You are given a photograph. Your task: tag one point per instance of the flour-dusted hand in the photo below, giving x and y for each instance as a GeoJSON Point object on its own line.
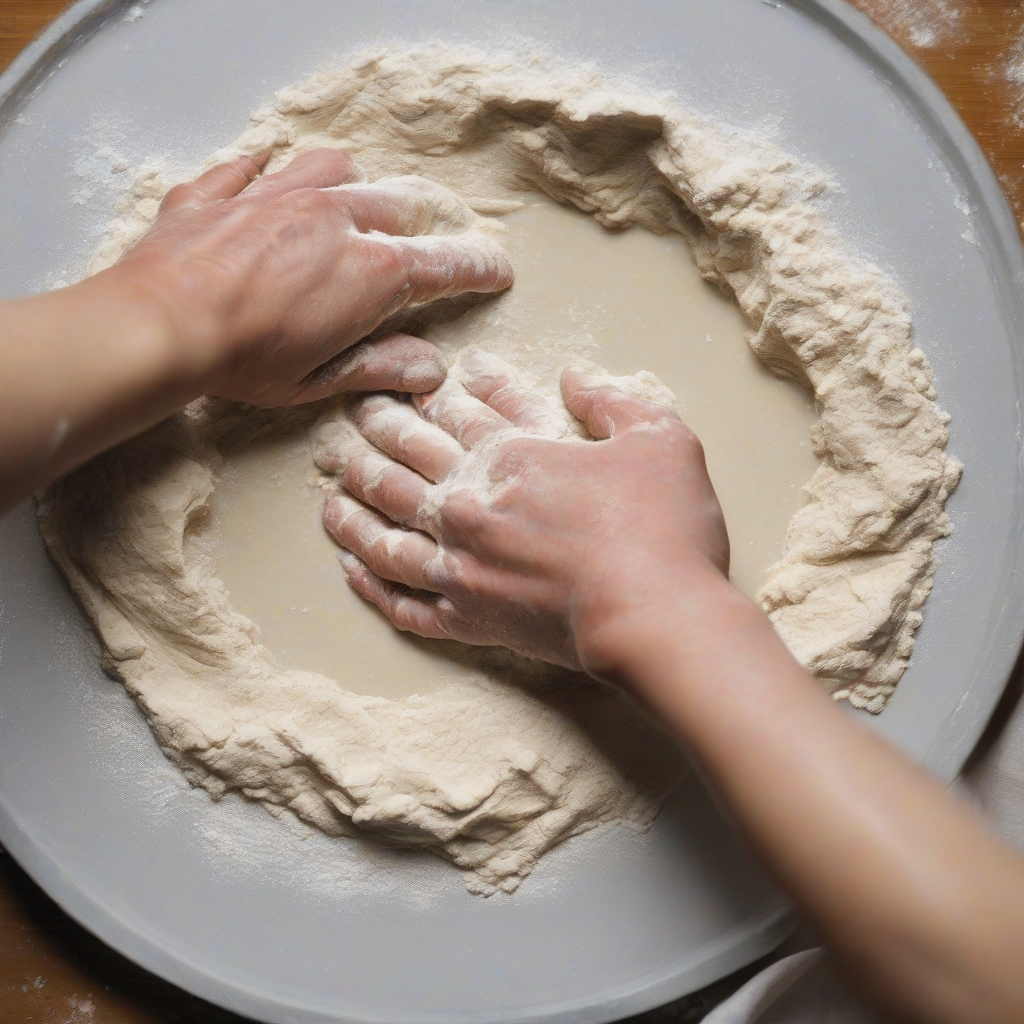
{"type": "Point", "coordinates": [476, 514]}
{"type": "Point", "coordinates": [271, 280]}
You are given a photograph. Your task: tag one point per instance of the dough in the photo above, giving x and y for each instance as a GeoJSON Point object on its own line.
{"type": "Point", "coordinates": [538, 756]}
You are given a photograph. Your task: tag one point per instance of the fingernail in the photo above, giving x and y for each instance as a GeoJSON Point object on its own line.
{"type": "Point", "coordinates": [423, 375]}
{"type": "Point", "coordinates": [367, 405]}
{"type": "Point", "coordinates": [349, 562]}
{"type": "Point", "coordinates": [476, 363]}
{"type": "Point", "coordinates": [339, 508]}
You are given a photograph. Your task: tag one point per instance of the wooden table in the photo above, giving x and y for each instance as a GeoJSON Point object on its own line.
{"type": "Point", "coordinates": [52, 970]}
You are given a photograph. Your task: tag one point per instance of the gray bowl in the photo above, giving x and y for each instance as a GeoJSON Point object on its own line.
{"type": "Point", "coordinates": [268, 919]}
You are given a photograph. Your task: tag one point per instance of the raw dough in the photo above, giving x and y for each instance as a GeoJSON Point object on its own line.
{"type": "Point", "coordinates": [537, 757]}
{"type": "Point", "coordinates": [642, 302]}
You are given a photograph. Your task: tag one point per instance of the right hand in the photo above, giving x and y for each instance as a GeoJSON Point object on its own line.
{"type": "Point", "coordinates": [269, 281]}
{"type": "Point", "coordinates": [568, 546]}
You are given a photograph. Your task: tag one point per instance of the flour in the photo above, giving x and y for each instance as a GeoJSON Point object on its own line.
{"type": "Point", "coordinates": [1013, 70]}
{"type": "Point", "coordinates": [920, 24]}
{"type": "Point", "coordinates": [537, 755]}
{"type": "Point", "coordinates": [540, 754]}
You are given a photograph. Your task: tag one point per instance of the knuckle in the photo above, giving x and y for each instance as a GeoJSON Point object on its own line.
{"type": "Point", "coordinates": [361, 528]}
{"type": "Point", "coordinates": [398, 613]}
{"type": "Point", "coordinates": [309, 202]}
{"type": "Point", "coordinates": [521, 462]}
{"type": "Point", "coordinates": [377, 551]}
{"type": "Point", "coordinates": [176, 196]}
{"type": "Point", "coordinates": [403, 613]}
{"type": "Point", "coordinates": [384, 261]}
{"type": "Point", "coordinates": [393, 261]}
{"type": "Point", "coordinates": [464, 510]}
{"type": "Point", "coordinates": [247, 166]}
{"type": "Point", "coordinates": [392, 490]}
{"type": "Point", "coordinates": [452, 575]}
{"type": "Point", "coordinates": [340, 161]}
{"type": "Point", "coordinates": [450, 619]}
{"type": "Point", "coordinates": [523, 453]}
{"type": "Point", "coordinates": [688, 442]}
{"type": "Point", "coordinates": [676, 435]}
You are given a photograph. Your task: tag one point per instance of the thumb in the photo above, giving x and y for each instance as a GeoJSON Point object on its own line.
{"type": "Point", "coordinates": [609, 405]}
{"type": "Point", "coordinates": [397, 362]}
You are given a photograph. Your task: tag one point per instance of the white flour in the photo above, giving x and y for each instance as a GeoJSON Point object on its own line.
{"type": "Point", "coordinates": [1013, 69]}
{"type": "Point", "coordinates": [536, 757]}
{"type": "Point", "coordinates": [920, 24]}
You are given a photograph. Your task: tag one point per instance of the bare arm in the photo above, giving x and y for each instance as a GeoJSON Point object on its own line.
{"type": "Point", "coordinates": [612, 557]}
{"type": "Point", "coordinates": [247, 286]}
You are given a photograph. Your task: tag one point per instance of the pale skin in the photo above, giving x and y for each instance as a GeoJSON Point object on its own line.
{"type": "Point", "coordinates": [248, 286]}
{"type": "Point", "coordinates": [606, 554]}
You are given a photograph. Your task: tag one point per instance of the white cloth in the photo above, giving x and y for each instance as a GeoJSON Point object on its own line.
{"type": "Point", "coordinates": [800, 989]}
{"type": "Point", "coordinates": [805, 987]}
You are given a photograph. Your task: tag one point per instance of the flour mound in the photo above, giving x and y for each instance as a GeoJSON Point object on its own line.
{"type": "Point", "coordinates": [538, 754]}
{"type": "Point", "coordinates": [535, 757]}
{"type": "Point", "coordinates": [848, 593]}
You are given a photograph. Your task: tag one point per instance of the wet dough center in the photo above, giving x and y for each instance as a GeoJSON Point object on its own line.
{"type": "Point", "coordinates": [629, 300]}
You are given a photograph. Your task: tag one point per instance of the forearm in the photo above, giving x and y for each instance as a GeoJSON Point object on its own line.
{"type": "Point", "coordinates": [250, 286]}
{"type": "Point", "coordinates": [84, 368]}
{"type": "Point", "coordinates": [610, 557]}
{"type": "Point", "coordinates": [923, 906]}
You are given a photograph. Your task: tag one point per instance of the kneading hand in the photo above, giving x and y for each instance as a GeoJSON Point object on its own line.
{"type": "Point", "coordinates": [466, 522]}
{"type": "Point", "coordinates": [271, 280]}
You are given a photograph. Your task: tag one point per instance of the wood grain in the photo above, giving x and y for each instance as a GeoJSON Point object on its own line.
{"type": "Point", "coordinates": [53, 970]}
{"type": "Point", "coordinates": [21, 21]}
{"type": "Point", "coordinates": [970, 66]}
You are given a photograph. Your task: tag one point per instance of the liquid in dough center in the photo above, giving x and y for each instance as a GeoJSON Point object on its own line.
{"type": "Point", "coordinates": [629, 300]}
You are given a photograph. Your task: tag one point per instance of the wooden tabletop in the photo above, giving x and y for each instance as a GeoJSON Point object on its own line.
{"type": "Point", "coordinates": [52, 970]}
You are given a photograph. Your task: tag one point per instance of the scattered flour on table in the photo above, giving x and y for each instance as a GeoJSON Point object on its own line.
{"type": "Point", "coordinates": [82, 1008]}
{"type": "Point", "coordinates": [100, 171]}
{"type": "Point", "coordinates": [920, 24]}
{"type": "Point", "coordinates": [1013, 69]}
{"type": "Point", "coordinates": [1006, 77]}
{"type": "Point", "coordinates": [538, 755]}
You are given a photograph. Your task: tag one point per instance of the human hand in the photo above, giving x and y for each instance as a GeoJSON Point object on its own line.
{"type": "Point", "coordinates": [270, 281]}
{"type": "Point", "coordinates": [476, 514]}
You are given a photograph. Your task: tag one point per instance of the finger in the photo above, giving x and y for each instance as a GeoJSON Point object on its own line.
{"type": "Point", "coordinates": [494, 382]}
{"type": "Point", "coordinates": [407, 610]}
{"type": "Point", "coordinates": [221, 182]}
{"type": "Point", "coordinates": [319, 168]}
{"type": "Point", "coordinates": [452, 408]}
{"type": "Point", "coordinates": [440, 267]}
{"type": "Point", "coordinates": [407, 206]}
{"type": "Point", "coordinates": [435, 233]}
{"type": "Point", "coordinates": [397, 362]}
{"type": "Point", "coordinates": [398, 430]}
{"type": "Point", "coordinates": [605, 407]}
{"type": "Point", "coordinates": [373, 478]}
{"type": "Point", "coordinates": [404, 556]}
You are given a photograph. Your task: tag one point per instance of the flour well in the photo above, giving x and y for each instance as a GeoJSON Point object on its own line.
{"type": "Point", "coordinates": [537, 756]}
{"type": "Point", "coordinates": [640, 303]}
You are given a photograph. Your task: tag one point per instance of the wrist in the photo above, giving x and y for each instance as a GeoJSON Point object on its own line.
{"type": "Point", "coordinates": [88, 366]}
{"type": "Point", "coordinates": [182, 340]}
{"type": "Point", "coordinates": [136, 324]}
{"type": "Point", "coordinates": [618, 635]}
